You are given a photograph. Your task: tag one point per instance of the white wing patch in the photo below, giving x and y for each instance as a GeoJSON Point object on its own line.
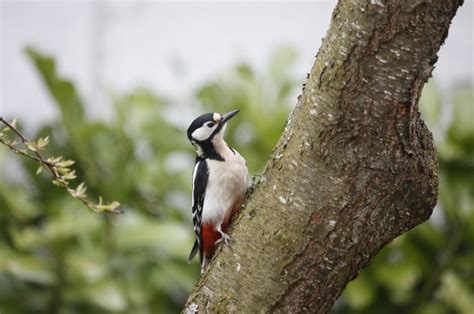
{"type": "Point", "coordinates": [194, 182]}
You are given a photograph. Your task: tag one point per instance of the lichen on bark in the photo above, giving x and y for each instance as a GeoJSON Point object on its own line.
{"type": "Point", "coordinates": [354, 168]}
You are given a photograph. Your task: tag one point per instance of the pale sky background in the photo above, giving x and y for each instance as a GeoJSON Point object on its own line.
{"type": "Point", "coordinates": [117, 45]}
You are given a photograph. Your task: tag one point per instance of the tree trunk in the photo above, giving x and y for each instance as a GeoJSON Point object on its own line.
{"type": "Point", "coordinates": [355, 167]}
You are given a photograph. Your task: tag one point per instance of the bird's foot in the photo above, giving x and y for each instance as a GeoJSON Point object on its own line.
{"type": "Point", "coordinates": [224, 237]}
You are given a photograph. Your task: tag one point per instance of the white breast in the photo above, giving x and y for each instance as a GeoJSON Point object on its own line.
{"type": "Point", "coordinates": [227, 183]}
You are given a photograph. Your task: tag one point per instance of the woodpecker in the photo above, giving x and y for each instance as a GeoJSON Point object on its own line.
{"type": "Point", "coordinates": [220, 181]}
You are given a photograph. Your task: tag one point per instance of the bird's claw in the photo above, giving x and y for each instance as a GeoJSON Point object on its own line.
{"type": "Point", "coordinates": [224, 237]}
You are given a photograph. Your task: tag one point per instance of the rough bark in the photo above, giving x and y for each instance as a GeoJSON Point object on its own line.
{"type": "Point", "coordinates": [355, 167]}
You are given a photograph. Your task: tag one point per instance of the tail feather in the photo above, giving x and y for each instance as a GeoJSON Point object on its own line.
{"type": "Point", "coordinates": [194, 250]}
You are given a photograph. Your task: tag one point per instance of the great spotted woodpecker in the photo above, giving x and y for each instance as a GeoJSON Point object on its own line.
{"type": "Point", "coordinates": [220, 181]}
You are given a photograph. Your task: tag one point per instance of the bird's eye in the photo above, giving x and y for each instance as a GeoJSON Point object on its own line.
{"type": "Point", "coordinates": [211, 124]}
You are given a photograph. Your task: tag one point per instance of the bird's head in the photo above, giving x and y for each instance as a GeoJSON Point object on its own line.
{"type": "Point", "coordinates": [208, 129]}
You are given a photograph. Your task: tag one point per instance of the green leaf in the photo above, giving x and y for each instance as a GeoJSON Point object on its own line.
{"type": "Point", "coordinates": [17, 202]}
{"type": "Point", "coordinates": [65, 163]}
{"type": "Point", "coordinates": [42, 142]}
{"type": "Point", "coordinates": [88, 266]}
{"type": "Point", "coordinates": [454, 292]}
{"type": "Point", "coordinates": [81, 189]}
{"type": "Point", "coordinates": [30, 269]}
{"type": "Point", "coordinates": [32, 146]}
{"type": "Point", "coordinates": [61, 89]}
{"type": "Point", "coordinates": [72, 220]}
{"type": "Point", "coordinates": [168, 238]}
{"type": "Point", "coordinates": [108, 296]}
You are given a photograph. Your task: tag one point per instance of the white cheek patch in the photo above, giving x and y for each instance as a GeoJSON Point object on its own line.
{"type": "Point", "coordinates": [202, 133]}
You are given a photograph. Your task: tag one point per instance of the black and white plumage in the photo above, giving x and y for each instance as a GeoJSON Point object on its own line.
{"type": "Point", "coordinates": [220, 180]}
{"type": "Point", "coordinates": [200, 176]}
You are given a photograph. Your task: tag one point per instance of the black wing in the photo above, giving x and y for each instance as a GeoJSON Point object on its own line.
{"type": "Point", "coordinates": [200, 176]}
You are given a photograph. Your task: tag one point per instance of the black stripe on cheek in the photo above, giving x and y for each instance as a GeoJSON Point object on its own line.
{"type": "Point", "coordinates": [209, 152]}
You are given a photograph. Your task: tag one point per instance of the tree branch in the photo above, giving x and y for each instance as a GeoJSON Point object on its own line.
{"type": "Point", "coordinates": [355, 167]}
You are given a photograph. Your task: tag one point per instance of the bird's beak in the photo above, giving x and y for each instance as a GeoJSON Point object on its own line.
{"type": "Point", "coordinates": [227, 116]}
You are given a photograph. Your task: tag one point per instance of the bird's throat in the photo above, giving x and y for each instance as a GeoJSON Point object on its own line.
{"type": "Point", "coordinates": [210, 150]}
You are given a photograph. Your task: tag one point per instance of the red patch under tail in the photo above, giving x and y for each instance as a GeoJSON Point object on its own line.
{"type": "Point", "coordinates": [209, 236]}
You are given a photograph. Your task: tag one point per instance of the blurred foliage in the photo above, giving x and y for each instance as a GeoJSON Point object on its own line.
{"type": "Point", "coordinates": [430, 269]}
{"type": "Point", "coordinates": [55, 256]}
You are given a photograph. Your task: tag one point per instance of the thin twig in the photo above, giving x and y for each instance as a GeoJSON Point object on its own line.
{"type": "Point", "coordinates": [26, 142]}
{"type": "Point", "coordinates": [55, 168]}
{"type": "Point", "coordinates": [20, 152]}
